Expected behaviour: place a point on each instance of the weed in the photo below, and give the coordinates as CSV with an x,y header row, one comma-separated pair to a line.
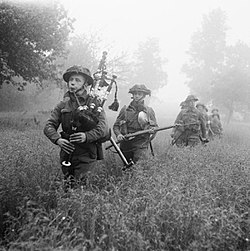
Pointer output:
x,y
181,199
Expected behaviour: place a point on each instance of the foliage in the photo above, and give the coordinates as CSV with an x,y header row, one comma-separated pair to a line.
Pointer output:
x,y
206,53
233,86
85,50
82,50
32,36
183,199
149,66
218,73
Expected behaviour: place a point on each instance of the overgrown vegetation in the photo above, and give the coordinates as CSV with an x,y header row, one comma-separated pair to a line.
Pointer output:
x,y
182,199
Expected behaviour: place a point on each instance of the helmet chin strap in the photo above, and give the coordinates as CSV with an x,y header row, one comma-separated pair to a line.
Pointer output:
x,y
137,101
143,97
83,88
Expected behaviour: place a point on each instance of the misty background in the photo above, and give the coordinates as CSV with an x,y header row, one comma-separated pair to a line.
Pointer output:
x,y
175,48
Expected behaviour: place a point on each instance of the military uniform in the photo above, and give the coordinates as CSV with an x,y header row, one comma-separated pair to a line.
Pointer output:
x,y
215,124
129,121
183,105
85,154
206,117
192,126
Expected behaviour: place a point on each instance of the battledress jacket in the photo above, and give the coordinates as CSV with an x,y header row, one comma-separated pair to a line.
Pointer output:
x,y
62,115
215,125
127,122
192,115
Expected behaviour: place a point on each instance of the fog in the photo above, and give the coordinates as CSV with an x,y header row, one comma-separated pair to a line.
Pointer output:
x,y
126,23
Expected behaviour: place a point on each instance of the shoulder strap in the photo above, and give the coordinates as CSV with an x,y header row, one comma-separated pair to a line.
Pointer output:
x,y
149,110
125,113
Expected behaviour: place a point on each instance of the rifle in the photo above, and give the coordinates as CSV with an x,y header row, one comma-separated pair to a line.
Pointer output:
x,y
203,141
147,131
211,131
118,150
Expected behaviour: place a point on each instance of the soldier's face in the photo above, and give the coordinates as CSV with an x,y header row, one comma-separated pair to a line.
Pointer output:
x,y
76,82
200,108
138,96
190,103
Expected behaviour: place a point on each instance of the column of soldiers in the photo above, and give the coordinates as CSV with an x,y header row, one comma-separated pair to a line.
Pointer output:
x,y
83,147
194,124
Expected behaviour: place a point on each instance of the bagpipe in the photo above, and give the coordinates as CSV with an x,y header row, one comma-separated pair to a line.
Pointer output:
x,y
86,116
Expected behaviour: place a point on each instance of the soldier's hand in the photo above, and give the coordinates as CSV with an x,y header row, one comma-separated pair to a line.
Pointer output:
x,y
66,145
205,140
120,137
152,130
78,137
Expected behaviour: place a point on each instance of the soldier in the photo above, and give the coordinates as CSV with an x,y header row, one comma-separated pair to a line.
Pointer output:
x,y
175,133
78,147
203,109
192,127
132,118
215,124
183,105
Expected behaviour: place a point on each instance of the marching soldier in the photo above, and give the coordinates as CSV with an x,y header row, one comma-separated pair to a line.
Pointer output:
x,y
192,127
132,118
78,147
203,109
215,124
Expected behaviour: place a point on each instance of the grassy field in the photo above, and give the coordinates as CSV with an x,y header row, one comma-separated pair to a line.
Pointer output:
x,y
182,199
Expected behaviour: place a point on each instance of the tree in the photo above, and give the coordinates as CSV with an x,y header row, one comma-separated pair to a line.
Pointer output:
x,y
149,66
218,73
32,36
231,89
82,50
207,54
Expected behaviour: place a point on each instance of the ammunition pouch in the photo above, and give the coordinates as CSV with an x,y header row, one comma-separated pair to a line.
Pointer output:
x,y
194,128
180,128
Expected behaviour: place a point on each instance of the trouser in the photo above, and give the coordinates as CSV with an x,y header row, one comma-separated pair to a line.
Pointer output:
x,y
188,138
134,150
79,172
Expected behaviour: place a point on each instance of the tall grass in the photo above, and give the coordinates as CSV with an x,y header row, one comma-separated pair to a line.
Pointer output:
x,y
182,199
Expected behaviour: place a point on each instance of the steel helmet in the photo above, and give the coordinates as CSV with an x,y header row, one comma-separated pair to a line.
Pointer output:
x,y
77,69
140,88
215,109
191,97
201,104
183,104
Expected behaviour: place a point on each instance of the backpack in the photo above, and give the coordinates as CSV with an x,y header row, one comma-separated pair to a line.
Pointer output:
x,y
190,118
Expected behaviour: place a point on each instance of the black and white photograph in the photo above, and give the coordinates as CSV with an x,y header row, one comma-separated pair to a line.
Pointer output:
x,y
125,125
